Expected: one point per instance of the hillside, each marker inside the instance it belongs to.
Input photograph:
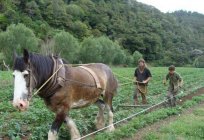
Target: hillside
(161, 38)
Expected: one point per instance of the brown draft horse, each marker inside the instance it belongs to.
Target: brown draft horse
(71, 87)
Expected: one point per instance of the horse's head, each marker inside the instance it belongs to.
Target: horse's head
(24, 81)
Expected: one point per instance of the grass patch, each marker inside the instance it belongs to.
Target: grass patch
(188, 127)
(130, 129)
(35, 123)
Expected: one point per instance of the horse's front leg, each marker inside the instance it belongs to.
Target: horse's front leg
(59, 119)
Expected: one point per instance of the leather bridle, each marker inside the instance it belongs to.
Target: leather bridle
(31, 82)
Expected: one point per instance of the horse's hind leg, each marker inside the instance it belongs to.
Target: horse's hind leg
(108, 101)
(100, 116)
(72, 128)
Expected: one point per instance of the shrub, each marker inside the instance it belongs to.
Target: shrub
(90, 51)
(17, 37)
(102, 50)
(199, 62)
(136, 56)
(67, 46)
(119, 57)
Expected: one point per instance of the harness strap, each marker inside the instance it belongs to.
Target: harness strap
(97, 82)
(56, 81)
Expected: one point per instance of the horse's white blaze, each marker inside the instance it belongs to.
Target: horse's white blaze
(19, 85)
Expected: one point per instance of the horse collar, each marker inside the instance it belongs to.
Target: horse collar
(56, 82)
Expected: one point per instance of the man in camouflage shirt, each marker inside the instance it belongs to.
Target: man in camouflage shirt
(175, 82)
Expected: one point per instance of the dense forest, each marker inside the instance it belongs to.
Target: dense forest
(108, 31)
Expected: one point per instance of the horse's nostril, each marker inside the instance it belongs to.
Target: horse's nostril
(21, 105)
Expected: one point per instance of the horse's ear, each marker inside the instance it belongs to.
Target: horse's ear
(26, 55)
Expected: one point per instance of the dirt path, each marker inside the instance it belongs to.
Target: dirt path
(156, 126)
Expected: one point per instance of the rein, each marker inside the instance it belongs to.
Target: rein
(74, 81)
(47, 80)
(62, 65)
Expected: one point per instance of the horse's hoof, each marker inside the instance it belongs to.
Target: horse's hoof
(76, 138)
(52, 135)
(111, 128)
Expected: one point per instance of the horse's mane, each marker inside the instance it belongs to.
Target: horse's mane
(43, 67)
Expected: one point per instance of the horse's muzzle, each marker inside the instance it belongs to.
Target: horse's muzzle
(22, 105)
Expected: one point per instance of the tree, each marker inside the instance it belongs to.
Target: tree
(17, 37)
(199, 62)
(103, 50)
(80, 29)
(67, 46)
(136, 56)
(76, 11)
(119, 57)
(90, 51)
(108, 48)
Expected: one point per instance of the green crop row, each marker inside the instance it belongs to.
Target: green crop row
(35, 123)
(130, 128)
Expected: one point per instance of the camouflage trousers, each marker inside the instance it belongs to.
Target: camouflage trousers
(171, 98)
(142, 90)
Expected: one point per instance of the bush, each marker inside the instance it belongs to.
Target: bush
(108, 49)
(129, 60)
(119, 57)
(76, 11)
(102, 50)
(199, 62)
(80, 29)
(17, 37)
(136, 56)
(67, 46)
(2, 57)
(90, 51)
(47, 47)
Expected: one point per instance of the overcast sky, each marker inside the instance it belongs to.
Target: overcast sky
(173, 5)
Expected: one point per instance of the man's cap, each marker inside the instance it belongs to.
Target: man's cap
(172, 67)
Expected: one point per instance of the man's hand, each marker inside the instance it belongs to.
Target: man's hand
(181, 83)
(134, 81)
(164, 82)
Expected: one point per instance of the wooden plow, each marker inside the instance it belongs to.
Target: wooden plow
(142, 106)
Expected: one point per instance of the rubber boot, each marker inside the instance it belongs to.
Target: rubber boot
(174, 102)
(168, 102)
(135, 101)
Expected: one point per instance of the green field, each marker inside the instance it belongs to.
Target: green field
(35, 123)
(189, 126)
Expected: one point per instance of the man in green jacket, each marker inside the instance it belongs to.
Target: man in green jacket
(175, 83)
